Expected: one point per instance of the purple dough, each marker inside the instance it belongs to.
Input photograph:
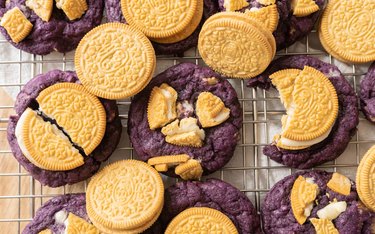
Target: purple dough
(92, 163)
(212, 193)
(346, 124)
(44, 217)
(59, 33)
(290, 28)
(277, 214)
(367, 94)
(113, 10)
(187, 80)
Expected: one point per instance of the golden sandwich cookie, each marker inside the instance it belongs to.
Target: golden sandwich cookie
(347, 30)
(125, 197)
(365, 179)
(115, 61)
(236, 45)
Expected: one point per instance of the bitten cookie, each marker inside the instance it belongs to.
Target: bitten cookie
(295, 18)
(49, 28)
(114, 13)
(318, 148)
(186, 121)
(214, 194)
(308, 201)
(62, 214)
(80, 141)
(367, 94)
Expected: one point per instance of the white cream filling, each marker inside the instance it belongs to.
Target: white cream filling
(20, 140)
(294, 143)
(61, 217)
(186, 125)
(222, 116)
(169, 98)
(332, 211)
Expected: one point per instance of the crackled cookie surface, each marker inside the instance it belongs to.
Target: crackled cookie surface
(55, 214)
(91, 163)
(321, 208)
(184, 133)
(290, 27)
(366, 95)
(52, 30)
(343, 129)
(214, 194)
(114, 13)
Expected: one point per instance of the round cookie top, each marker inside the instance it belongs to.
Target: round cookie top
(78, 112)
(320, 200)
(201, 219)
(347, 30)
(366, 179)
(159, 18)
(236, 45)
(125, 195)
(115, 61)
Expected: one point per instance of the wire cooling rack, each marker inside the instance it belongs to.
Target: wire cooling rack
(249, 170)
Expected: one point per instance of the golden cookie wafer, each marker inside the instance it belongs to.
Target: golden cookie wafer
(340, 184)
(365, 179)
(73, 9)
(42, 8)
(169, 159)
(78, 112)
(45, 145)
(302, 197)
(352, 39)
(316, 106)
(235, 5)
(159, 18)
(303, 8)
(161, 167)
(190, 170)
(266, 2)
(125, 195)
(184, 133)
(115, 61)
(16, 24)
(279, 144)
(201, 220)
(211, 110)
(324, 226)
(128, 231)
(235, 47)
(47, 231)
(268, 15)
(77, 225)
(161, 107)
(284, 81)
(187, 31)
(251, 21)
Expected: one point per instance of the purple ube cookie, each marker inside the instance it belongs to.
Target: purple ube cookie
(277, 214)
(45, 216)
(113, 10)
(189, 81)
(367, 94)
(91, 163)
(59, 33)
(290, 28)
(212, 193)
(345, 126)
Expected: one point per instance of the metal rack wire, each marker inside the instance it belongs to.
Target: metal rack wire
(249, 170)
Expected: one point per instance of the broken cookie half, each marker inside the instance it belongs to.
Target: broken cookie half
(311, 104)
(68, 124)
